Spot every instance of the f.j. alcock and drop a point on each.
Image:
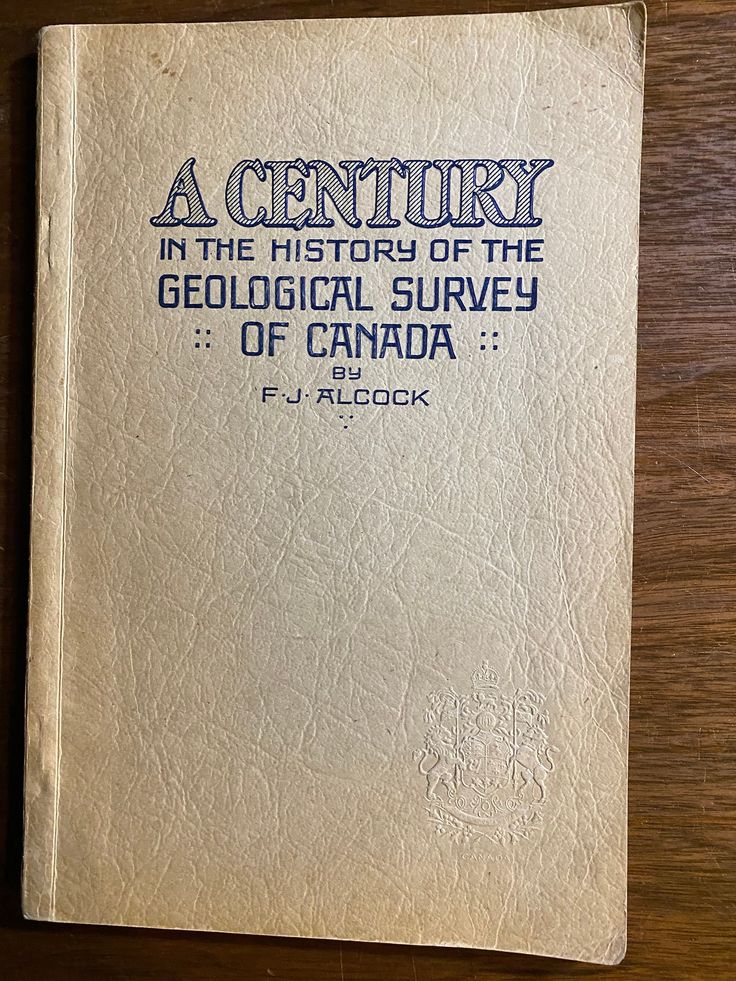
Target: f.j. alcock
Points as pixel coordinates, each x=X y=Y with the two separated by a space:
x=465 y=193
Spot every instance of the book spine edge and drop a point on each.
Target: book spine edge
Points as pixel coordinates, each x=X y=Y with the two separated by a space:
x=54 y=202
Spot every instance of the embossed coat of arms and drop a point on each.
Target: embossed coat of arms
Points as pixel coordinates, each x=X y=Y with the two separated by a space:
x=486 y=759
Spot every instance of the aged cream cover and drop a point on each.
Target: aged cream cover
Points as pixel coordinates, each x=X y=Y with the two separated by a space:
x=332 y=495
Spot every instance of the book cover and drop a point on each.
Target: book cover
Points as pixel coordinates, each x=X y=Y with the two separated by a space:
x=333 y=478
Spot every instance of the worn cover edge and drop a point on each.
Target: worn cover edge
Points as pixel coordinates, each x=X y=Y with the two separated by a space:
x=54 y=197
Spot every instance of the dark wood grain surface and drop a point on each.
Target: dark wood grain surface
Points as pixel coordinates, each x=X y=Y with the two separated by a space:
x=682 y=856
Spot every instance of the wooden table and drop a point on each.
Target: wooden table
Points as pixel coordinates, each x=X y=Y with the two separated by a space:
x=683 y=691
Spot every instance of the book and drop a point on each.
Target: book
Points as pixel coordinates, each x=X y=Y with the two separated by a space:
x=334 y=402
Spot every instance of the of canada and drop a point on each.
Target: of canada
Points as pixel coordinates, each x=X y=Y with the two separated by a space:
x=411 y=341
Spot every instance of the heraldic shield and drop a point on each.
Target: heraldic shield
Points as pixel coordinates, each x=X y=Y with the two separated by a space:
x=486 y=759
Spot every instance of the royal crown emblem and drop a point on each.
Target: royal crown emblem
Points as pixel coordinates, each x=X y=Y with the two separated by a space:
x=486 y=759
